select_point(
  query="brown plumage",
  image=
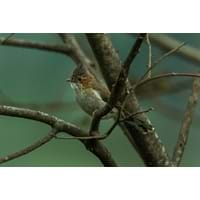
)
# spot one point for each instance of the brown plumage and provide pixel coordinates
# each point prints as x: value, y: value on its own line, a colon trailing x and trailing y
x: 91, y: 95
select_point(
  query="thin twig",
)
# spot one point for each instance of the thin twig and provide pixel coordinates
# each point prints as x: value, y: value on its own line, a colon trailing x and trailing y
x: 186, y: 123
x: 169, y: 53
x: 149, y: 65
x: 166, y: 42
x: 137, y: 113
x: 173, y: 74
x: 155, y: 63
x: 97, y: 137
x: 30, y: 148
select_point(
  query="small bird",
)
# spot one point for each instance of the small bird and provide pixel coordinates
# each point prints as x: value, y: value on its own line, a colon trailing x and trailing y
x: 91, y: 94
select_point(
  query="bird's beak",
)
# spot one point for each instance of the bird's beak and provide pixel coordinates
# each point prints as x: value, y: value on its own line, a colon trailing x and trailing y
x: 68, y: 80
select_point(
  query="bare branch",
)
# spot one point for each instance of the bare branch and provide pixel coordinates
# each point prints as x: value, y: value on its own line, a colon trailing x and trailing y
x: 119, y: 87
x: 155, y: 63
x: 140, y: 132
x: 61, y: 126
x: 8, y: 37
x: 58, y: 48
x: 134, y: 51
x: 149, y: 56
x: 109, y: 63
x: 98, y: 137
x: 119, y: 90
x: 165, y: 76
x: 30, y: 148
x: 76, y: 52
x: 166, y: 42
x: 186, y: 123
x: 169, y: 53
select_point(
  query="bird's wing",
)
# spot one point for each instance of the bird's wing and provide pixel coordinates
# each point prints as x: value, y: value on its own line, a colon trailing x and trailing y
x: 103, y: 91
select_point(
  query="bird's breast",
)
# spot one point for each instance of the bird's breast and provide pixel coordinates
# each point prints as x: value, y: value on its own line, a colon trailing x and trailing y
x: 89, y: 100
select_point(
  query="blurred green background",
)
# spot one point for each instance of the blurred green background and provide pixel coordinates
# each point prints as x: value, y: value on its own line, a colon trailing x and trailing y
x: 30, y: 77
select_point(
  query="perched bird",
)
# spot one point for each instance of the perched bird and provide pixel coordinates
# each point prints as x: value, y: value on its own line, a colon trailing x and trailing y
x: 91, y: 94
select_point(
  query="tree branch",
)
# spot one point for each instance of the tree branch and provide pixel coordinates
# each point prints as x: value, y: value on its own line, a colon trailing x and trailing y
x: 76, y: 52
x: 30, y: 148
x: 166, y: 42
x: 8, y: 37
x: 61, y: 126
x: 186, y: 123
x: 118, y: 91
x: 58, y: 48
x: 140, y: 131
x: 160, y: 76
x: 109, y: 62
x: 119, y: 86
x: 149, y: 65
x: 134, y: 51
x: 156, y: 62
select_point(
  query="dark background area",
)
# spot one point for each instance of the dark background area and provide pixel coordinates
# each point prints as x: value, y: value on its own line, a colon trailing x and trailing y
x: 29, y: 76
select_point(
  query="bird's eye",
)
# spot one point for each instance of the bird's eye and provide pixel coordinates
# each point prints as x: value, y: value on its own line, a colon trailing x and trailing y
x: 79, y: 79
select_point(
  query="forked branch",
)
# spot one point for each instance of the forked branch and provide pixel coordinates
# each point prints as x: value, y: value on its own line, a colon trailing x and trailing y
x: 57, y: 125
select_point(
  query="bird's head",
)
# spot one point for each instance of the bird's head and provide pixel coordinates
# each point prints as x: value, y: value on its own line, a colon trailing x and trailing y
x: 81, y: 78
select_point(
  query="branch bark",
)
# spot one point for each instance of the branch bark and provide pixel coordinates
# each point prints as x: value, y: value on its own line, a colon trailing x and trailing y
x: 141, y: 131
x: 60, y: 126
x: 57, y: 48
x: 30, y: 148
x: 77, y: 54
x: 186, y: 123
x: 119, y: 86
